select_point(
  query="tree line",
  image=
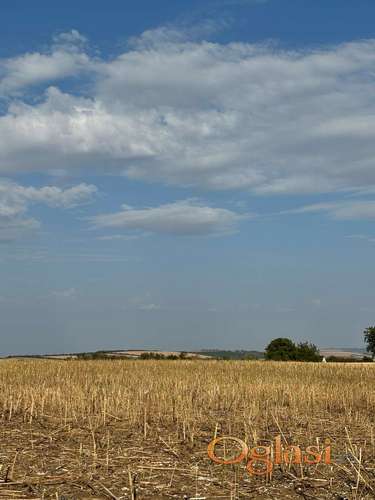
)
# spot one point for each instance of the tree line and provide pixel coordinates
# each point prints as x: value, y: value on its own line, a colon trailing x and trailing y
x: 284, y: 349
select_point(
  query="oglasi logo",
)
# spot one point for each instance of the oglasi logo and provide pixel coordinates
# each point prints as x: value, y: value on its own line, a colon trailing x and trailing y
x: 261, y: 459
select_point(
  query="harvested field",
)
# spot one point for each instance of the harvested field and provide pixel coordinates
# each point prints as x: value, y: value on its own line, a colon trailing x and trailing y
x: 139, y: 429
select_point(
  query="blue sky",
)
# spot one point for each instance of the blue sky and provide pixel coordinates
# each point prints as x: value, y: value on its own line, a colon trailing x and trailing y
x: 186, y: 175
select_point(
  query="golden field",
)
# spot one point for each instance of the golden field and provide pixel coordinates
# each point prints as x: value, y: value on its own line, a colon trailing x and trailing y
x: 140, y: 429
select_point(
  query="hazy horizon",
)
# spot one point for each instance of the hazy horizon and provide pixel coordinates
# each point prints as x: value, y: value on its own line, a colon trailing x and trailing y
x: 213, y: 349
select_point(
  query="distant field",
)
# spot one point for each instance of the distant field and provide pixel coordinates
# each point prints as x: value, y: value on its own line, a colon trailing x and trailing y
x: 126, y: 429
x: 128, y: 354
x: 341, y: 353
x: 137, y: 353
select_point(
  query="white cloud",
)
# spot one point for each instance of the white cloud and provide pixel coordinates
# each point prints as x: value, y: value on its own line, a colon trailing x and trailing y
x: 364, y: 237
x: 15, y: 200
x: 343, y: 210
x: 236, y: 116
x: 12, y: 228
x: 150, y: 307
x: 69, y: 293
x: 171, y: 35
x: 66, y: 58
x: 58, y: 197
x: 123, y: 237
x: 186, y: 217
x: 43, y: 255
x: 143, y: 303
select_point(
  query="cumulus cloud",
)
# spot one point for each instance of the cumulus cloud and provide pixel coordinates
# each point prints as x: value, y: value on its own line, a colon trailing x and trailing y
x: 215, y: 116
x: 16, y: 199
x: 66, y: 58
x: 187, y: 217
x: 171, y: 35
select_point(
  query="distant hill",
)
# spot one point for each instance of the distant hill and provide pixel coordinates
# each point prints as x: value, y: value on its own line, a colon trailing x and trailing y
x: 119, y: 354
x: 228, y: 354
x: 343, y: 352
x: 236, y: 354
x: 150, y: 353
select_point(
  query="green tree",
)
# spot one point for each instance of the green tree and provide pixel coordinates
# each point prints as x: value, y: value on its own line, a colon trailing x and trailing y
x: 369, y: 336
x: 281, y: 349
x: 306, y: 351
